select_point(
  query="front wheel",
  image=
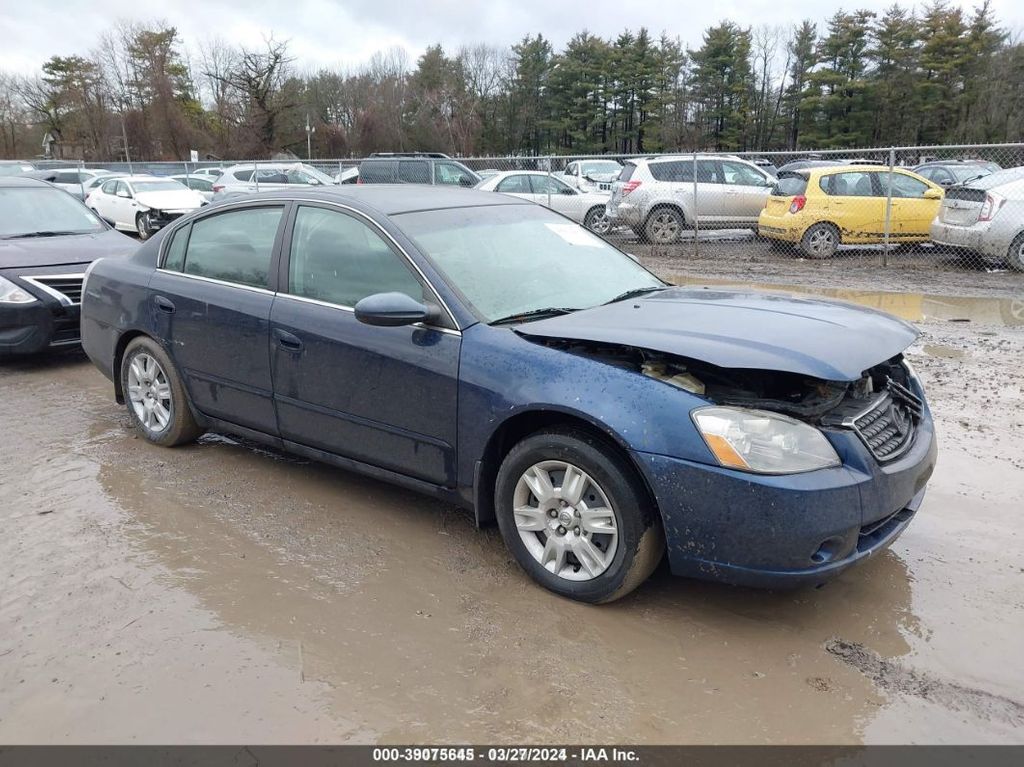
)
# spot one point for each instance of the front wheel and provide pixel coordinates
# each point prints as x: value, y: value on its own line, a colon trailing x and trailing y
x: 576, y: 517
x: 597, y: 221
x: 144, y: 226
x: 820, y: 241
x: 155, y: 396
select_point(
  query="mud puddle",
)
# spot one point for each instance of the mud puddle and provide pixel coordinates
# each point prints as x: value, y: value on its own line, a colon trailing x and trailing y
x: 225, y: 593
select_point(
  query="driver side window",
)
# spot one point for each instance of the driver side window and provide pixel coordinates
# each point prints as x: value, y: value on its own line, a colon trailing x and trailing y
x: 339, y: 259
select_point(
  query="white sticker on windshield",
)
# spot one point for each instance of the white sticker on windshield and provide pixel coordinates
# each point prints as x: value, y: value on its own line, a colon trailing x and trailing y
x: 574, y: 235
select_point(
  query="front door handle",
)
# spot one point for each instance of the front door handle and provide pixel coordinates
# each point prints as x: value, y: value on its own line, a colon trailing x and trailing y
x: 164, y: 304
x: 288, y: 341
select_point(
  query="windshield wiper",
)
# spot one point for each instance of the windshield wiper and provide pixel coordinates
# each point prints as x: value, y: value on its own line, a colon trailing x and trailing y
x: 635, y: 292
x: 534, y: 314
x: 41, y: 234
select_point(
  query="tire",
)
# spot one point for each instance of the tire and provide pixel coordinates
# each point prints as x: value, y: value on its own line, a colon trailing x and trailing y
x: 583, y: 563
x: 1015, y: 254
x: 597, y: 221
x: 664, y: 226
x: 142, y: 226
x: 168, y: 420
x: 820, y: 241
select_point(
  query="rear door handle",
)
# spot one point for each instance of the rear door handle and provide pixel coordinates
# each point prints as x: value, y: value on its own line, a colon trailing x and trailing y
x: 287, y: 340
x: 163, y: 304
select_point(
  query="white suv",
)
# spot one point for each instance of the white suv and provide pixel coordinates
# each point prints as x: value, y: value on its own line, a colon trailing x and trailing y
x: 655, y: 196
x: 249, y: 178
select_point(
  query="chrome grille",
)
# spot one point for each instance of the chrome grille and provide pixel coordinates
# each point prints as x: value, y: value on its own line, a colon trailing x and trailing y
x: 887, y: 427
x: 66, y: 288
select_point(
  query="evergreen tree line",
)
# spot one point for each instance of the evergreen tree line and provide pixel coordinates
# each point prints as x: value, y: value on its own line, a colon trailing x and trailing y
x: 932, y: 75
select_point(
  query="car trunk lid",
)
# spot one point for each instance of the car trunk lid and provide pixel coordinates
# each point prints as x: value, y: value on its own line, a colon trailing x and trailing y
x: 961, y: 205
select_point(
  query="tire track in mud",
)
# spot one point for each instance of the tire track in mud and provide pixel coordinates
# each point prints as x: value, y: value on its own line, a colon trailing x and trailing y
x: 894, y: 677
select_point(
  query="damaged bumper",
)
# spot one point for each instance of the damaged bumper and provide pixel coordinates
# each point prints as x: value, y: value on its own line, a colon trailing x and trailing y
x: 789, y: 530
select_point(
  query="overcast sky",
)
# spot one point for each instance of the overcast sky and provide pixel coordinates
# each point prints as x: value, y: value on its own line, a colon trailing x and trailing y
x: 346, y: 32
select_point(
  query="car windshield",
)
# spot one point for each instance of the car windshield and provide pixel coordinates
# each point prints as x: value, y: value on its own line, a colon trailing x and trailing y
x: 602, y: 167
x: 1000, y: 177
x: 512, y: 259
x: 14, y: 169
x: 28, y: 211
x: 157, y: 186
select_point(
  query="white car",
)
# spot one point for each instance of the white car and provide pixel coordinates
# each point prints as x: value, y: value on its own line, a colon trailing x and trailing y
x: 197, y: 182
x: 75, y: 181
x: 266, y: 176
x: 587, y: 208
x: 592, y: 175
x: 142, y: 204
x: 209, y: 173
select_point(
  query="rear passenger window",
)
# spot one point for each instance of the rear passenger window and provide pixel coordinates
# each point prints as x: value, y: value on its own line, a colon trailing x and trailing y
x: 242, y: 175
x: 235, y: 246
x: 852, y: 184
x: 339, y: 259
x: 414, y: 172
x: 675, y: 170
x: 379, y: 172
x: 174, y: 259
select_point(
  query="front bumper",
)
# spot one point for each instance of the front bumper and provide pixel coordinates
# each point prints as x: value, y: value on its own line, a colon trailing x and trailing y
x: 792, y: 530
x: 45, y: 323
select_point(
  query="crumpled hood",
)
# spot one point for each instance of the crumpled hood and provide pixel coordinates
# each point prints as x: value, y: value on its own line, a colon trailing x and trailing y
x: 731, y: 329
x: 68, y: 249
x: 180, y: 199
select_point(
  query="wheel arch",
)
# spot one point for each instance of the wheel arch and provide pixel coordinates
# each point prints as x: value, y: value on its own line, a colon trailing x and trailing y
x: 521, y: 425
x: 119, y: 349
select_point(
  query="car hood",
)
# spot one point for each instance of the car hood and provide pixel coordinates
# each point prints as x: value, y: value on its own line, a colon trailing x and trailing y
x: 70, y: 249
x: 183, y: 199
x: 733, y: 329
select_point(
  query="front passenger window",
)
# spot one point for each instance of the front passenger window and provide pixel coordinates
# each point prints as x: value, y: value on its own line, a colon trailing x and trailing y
x: 339, y: 259
x: 234, y: 247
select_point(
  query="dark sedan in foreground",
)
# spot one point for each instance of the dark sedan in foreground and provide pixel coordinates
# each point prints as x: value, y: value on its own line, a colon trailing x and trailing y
x: 47, y: 240
x: 489, y: 352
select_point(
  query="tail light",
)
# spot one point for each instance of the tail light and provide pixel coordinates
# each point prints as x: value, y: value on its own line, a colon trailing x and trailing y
x: 991, y: 206
x: 218, y: 187
x: 629, y: 186
x: 798, y: 204
x: 359, y: 179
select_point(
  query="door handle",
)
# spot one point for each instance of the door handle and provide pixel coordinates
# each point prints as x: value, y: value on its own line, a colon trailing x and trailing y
x: 163, y: 304
x: 288, y: 341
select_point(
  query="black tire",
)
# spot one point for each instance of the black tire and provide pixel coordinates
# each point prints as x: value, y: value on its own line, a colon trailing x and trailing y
x: 820, y: 241
x: 181, y: 427
x: 142, y: 226
x: 664, y: 226
x: 597, y: 221
x: 641, y: 540
x: 1015, y: 254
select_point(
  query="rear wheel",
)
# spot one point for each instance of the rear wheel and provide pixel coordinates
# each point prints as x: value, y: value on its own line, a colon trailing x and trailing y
x: 1015, y: 255
x: 154, y: 395
x: 664, y: 226
x: 576, y: 517
x: 820, y: 241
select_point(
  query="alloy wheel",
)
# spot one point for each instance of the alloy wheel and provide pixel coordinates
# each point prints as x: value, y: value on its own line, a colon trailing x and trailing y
x: 565, y: 520
x: 664, y: 227
x: 821, y: 242
x: 149, y: 393
x: 600, y: 223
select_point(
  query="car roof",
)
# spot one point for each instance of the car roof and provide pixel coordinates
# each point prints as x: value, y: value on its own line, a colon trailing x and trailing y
x: 8, y: 182
x: 390, y: 199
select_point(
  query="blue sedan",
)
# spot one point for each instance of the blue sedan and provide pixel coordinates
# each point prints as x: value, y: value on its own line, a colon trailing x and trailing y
x: 487, y: 351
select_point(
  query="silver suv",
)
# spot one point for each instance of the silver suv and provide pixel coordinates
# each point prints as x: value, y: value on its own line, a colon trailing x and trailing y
x: 655, y: 196
x: 265, y: 176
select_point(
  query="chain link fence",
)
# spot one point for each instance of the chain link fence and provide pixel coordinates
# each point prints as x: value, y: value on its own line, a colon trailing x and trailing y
x: 745, y: 216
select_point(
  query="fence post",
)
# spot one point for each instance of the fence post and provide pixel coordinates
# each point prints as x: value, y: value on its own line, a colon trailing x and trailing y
x: 888, y: 209
x: 550, y: 183
x: 696, y: 218
x: 256, y: 173
x: 81, y: 180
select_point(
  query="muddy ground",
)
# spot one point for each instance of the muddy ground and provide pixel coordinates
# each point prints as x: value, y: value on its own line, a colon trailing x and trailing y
x: 226, y: 593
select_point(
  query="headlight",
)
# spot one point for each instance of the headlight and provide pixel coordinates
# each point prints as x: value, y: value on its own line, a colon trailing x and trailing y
x: 12, y: 294
x: 763, y: 442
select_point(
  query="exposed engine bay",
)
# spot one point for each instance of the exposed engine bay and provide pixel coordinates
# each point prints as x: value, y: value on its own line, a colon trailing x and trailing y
x: 795, y: 395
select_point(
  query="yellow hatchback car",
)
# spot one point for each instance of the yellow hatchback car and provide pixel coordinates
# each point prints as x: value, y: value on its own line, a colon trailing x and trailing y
x: 819, y: 209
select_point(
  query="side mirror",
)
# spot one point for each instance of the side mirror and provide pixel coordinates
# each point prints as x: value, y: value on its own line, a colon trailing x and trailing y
x: 123, y: 193
x: 315, y: 182
x: 634, y: 256
x: 933, y: 194
x: 392, y: 310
